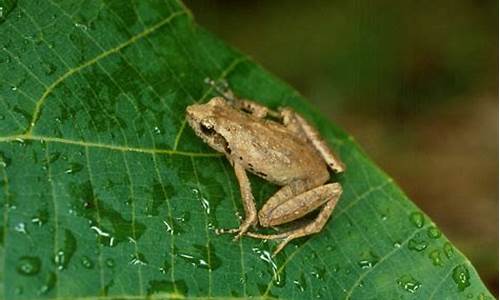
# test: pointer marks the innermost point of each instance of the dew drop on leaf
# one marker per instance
(21, 228)
(29, 265)
(41, 217)
(265, 256)
(417, 244)
(417, 219)
(64, 254)
(157, 130)
(4, 160)
(461, 277)
(300, 283)
(138, 259)
(433, 232)
(448, 250)
(81, 26)
(408, 283)
(368, 260)
(6, 6)
(49, 284)
(204, 258)
(73, 168)
(87, 262)
(110, 263)
(166, 266)
(319, 273)
(435, 256)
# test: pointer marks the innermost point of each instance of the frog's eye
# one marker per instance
(207, 128)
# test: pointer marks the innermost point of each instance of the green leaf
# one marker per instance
(107, 194)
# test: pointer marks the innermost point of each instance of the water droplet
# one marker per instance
(6, 6)
(369, 259)
(205, 257)
(29, 265)
(417, 244)
(319, 273)
(417, 219)
(49, 284)
(409, 284)
(104, 237)
(64, 254)
(396, 245)
(21, 228)
(14, 88)
(110, 263)
(170, 229)
(185, 217)
(111, 228)
(461, 277)
(73, 168)
(448, 250)
(41, 217)
(157, 130)
(165, 268)
(138, 259)
(204, 202)
(87, 262)
(435, 256)
(433, 232)
(81, 26)
(300, 283)
(264, 255)
(483, 296)
(4, 160)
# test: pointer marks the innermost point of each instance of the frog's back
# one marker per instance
(273, 152)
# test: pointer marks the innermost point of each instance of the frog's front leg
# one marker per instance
(296, 207)
(248, 202)
(298, 124)
(254, 108)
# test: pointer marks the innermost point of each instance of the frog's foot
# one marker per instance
(221, 87)
(240, 231)
(311, 228)
(286, 237)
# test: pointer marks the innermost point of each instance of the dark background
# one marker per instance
(415, 82)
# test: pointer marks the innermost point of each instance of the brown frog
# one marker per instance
(280, 147)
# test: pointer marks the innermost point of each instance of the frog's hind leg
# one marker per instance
(327, 194)
(298, 124)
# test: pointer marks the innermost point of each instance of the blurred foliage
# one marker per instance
(391, 55)
(414, 81)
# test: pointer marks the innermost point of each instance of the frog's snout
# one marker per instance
(190, 110)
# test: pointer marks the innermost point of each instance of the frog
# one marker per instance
(279, 146)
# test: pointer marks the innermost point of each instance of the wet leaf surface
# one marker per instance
(107, 194)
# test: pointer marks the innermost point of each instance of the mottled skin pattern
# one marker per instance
(286, 151)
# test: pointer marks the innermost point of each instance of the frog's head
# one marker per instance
(204, 119)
